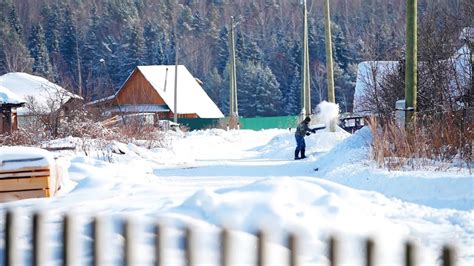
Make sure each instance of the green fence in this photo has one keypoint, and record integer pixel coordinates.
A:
(257, 123)
(253, 123)
(199, 123)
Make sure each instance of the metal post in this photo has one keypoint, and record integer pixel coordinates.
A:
(411, 61)
(329, 59)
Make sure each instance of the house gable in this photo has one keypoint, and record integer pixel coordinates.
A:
(191, 97)
(138, 90)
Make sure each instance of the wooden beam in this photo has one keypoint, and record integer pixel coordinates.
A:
(24, 174)
(25, 169)
(18, 195)
(20, 184)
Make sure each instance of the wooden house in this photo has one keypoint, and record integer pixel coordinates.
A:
(43, 97)
(151, 90)
(9, 102)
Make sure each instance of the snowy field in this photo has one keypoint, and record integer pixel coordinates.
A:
(245, 180)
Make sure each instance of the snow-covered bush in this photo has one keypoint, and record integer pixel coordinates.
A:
(18, 137)
(80, 123)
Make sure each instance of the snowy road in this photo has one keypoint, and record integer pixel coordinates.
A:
(246, 179)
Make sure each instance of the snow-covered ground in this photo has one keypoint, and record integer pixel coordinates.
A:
(245, 180)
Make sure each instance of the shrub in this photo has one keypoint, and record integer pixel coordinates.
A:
(436, 139)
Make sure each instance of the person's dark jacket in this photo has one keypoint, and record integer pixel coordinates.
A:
(302, 129)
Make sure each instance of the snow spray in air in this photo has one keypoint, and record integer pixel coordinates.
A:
(326, 112)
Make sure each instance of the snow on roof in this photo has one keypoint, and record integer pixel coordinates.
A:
(8, 97)
(369, 72)
(191, 96)
(101, 100)
(45, 94)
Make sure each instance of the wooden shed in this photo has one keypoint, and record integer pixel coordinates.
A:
(9, 102)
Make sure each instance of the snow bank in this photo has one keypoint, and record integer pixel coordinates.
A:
(348, 164)
(313, 208)
(261, 205)
(352, 150)
(248, 179)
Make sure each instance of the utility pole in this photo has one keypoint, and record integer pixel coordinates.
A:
(411, 62)
(305, 81)
(79, 72)
(233, 107)
(175, 112)
(329, 62)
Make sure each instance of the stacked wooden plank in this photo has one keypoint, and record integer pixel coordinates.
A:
(23, 178)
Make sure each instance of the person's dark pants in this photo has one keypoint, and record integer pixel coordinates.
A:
(300, 147)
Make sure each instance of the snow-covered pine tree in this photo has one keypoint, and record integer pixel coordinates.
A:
(268, 92)
(292, 102)
(217, 89)
(14, 21)
(14, 55)
(51, 24)
(92, 58)
(222, 50)
(153, 54)
(170, 49)
(69, 48)
(135, 49)
(281, 62)
(258, 91)
(39, 52)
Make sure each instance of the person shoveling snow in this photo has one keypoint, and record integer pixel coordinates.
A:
(326, 113)
(303, 130)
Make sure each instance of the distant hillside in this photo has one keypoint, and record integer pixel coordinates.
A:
(92, 46)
